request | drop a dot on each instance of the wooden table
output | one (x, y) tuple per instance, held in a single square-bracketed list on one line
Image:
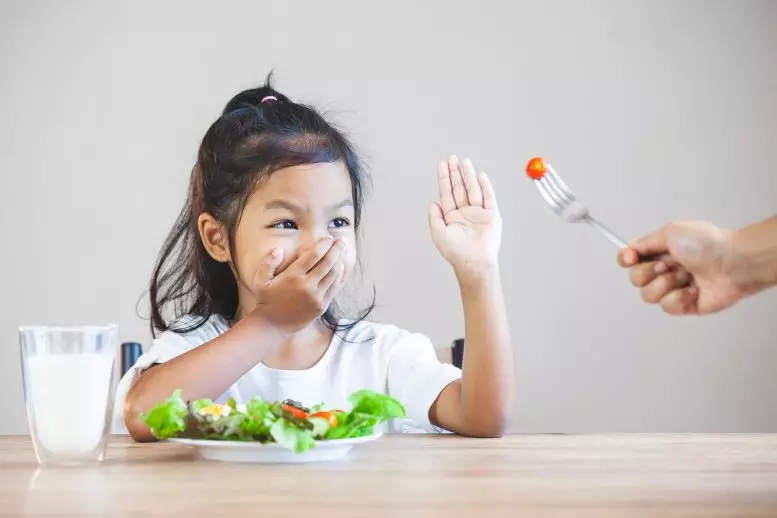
[(408, 476)]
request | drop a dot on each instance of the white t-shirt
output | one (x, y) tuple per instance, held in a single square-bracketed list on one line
[(371, 356)]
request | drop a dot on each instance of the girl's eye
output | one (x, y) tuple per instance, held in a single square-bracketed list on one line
[(285, 225), (339, 223)]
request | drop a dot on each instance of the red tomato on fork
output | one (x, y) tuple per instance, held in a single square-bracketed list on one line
[(535, 169)]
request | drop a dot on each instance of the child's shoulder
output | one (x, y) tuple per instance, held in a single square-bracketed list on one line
[(194, 330), (384, 335)]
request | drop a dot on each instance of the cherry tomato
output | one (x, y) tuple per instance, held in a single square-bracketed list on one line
[(331, 417), (296, 412), (535, 168)]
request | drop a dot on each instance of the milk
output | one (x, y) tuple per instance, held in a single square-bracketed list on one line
[(68, 396)]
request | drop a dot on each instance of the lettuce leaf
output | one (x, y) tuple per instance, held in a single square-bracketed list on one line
[(198, 404), (263, 421), (169, 418), (289, 436), (227, 428), (376, 404), (258, 420), (369, 410), (320, 426)]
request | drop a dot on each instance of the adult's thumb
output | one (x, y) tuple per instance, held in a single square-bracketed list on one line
[(654, 243)]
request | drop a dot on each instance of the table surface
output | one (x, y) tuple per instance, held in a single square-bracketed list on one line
[(415, 475)]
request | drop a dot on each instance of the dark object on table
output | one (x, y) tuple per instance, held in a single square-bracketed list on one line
[(130, 352), (457, 355)]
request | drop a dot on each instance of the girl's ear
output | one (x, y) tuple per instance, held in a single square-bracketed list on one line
[(215, 237)]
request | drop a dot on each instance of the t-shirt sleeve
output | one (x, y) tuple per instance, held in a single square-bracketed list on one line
[(416, 377), (166, 347)]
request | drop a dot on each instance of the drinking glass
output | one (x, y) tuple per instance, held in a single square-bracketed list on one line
[(68, 374)]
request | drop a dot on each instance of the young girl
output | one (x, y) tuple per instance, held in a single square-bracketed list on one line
[(243, 292)]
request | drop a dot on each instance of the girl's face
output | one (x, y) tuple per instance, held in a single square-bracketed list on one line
[(292, 210)]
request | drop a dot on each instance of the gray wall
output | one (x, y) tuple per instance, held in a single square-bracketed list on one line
[(651, 110)]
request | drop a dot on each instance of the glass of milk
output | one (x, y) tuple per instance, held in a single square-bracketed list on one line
[(68, 389)]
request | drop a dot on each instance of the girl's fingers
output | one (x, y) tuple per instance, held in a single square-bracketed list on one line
[(446, 189), (333, 282), (310, 257), (436, 217), (470, 176), (327, 263), (457, 182), (489, 198), (266, 271)]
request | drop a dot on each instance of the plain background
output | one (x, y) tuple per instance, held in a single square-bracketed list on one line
[(651, 110)]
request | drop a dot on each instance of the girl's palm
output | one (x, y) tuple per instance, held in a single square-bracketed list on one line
[(466, 225)]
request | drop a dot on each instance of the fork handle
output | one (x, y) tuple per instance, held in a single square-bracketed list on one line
[(619, 242), (651, 257)]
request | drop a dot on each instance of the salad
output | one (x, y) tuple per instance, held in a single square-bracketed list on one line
[(287, 423)]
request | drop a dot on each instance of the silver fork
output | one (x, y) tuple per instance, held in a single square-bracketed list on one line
[(564, 202)]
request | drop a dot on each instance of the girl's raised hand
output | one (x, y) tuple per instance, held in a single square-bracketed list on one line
[(466, 225), (303, 291)]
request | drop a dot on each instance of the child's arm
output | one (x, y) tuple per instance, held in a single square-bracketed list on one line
[(206, 371), (481, 403), (286, 302), (466, 228)]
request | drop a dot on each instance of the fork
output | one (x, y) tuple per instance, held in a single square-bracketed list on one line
[(564, 202)]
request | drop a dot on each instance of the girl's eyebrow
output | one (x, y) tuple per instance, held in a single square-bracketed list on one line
[(345, 203), (293, 207), (283, 204)]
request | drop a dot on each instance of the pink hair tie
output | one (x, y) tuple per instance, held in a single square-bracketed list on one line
[(267, 98)]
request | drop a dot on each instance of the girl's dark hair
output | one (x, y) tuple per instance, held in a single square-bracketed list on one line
[(260, 131)]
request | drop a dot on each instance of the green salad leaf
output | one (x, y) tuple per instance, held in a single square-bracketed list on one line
[(258, 420), (376, 404), (320, 426), (167, 419), (369, 409), (290, 436), (263, 421), (198, 405)]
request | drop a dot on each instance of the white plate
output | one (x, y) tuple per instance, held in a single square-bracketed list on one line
[(238, 451)]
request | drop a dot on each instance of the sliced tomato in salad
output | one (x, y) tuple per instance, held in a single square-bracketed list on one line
[(286, 423), (329, 416), (295, 412)]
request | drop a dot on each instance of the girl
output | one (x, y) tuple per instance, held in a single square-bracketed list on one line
[(243, 292)]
